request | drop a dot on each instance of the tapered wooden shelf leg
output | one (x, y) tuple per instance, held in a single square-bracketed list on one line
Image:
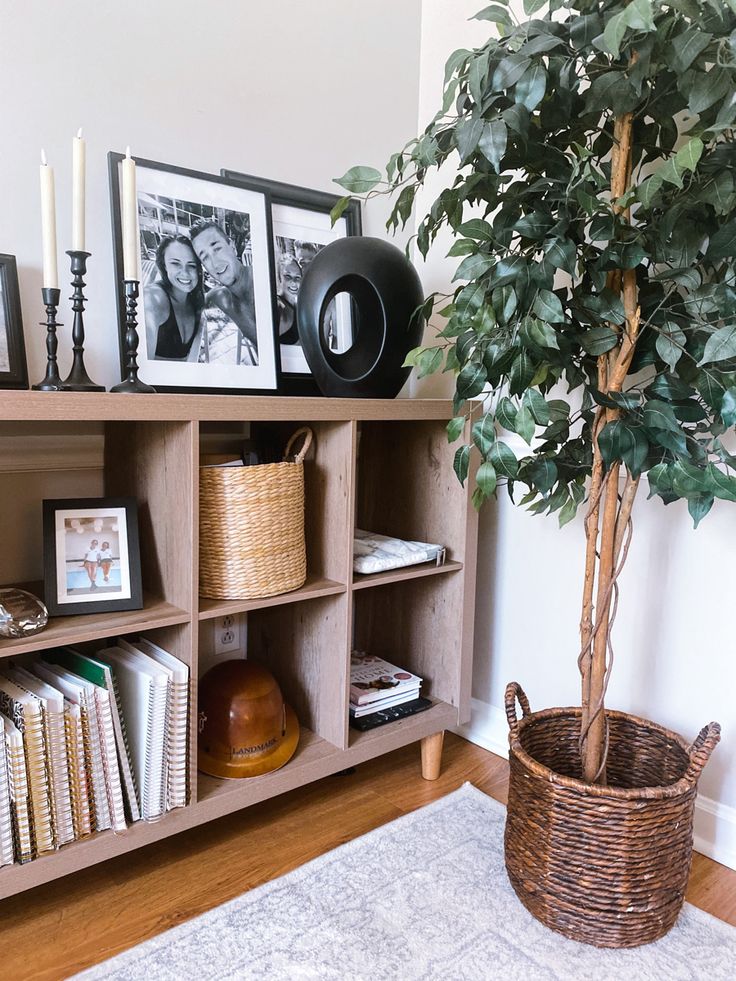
[(432, 755)]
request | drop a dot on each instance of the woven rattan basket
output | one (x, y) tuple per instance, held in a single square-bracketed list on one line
[(251, 527), (605, 865)]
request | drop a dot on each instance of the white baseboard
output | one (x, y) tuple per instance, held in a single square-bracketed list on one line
[(715, 823)]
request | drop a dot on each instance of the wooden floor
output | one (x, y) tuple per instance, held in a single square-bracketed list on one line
[(67, 925)]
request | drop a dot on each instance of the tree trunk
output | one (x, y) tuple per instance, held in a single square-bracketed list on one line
[(611, 521)]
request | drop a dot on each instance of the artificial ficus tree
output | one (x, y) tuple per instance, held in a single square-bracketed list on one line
[(594, 209)]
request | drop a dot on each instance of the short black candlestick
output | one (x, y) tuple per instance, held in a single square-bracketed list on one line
[(131, 384), (51, 382), (79, 380)]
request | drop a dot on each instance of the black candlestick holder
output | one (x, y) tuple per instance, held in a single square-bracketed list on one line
[(51, 382), (78, 379), (131, 384)]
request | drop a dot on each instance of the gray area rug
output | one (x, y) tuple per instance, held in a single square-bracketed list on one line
[(423, 897)]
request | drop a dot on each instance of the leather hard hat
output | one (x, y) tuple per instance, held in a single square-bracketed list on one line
[(245, 727)]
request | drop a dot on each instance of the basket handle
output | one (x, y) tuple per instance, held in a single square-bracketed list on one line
[(306, 432), (705, 742), (514, 691)]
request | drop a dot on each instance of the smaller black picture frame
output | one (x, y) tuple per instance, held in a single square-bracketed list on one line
[(66, 602), (307, 199), (13, 366)]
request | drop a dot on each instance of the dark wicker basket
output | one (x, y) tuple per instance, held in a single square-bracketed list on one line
[(604, 865)]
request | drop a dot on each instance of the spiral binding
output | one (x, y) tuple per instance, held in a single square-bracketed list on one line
[(108, 755), (18, 788), (7, 848)]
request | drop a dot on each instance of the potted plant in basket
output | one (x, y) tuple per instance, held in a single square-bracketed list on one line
[(594, 211)]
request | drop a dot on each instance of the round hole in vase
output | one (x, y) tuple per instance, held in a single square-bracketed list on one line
[(358, 317)]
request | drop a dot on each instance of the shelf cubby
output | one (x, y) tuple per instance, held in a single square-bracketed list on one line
[(372, 579)]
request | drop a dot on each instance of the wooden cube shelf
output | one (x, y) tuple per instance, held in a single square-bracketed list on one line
[(384, 466)]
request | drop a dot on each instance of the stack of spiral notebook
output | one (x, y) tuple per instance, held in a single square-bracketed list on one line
[(90, 742)]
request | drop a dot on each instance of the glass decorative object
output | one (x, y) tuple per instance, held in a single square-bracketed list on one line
[(21, 613)]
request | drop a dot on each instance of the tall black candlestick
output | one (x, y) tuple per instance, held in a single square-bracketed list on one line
[(51, 382), (78, 379), (131, 383)]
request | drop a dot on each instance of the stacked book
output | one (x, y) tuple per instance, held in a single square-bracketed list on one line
[(376, 685), (89, 743)]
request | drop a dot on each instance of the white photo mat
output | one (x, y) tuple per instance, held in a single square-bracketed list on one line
[(60, 537)]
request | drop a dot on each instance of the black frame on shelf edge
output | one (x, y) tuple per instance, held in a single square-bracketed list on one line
[(310, 200), (17, 374), (114, 160)]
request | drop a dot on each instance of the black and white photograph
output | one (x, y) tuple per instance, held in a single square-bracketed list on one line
[(301, 228), (91, 556), (13, 369), (205, 315)]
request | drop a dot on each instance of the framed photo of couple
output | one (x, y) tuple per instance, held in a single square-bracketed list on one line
[(206, 319)]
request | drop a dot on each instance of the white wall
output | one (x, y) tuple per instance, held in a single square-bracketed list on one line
[(297, 92), (673, 641)]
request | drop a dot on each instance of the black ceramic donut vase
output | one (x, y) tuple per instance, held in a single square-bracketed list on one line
[(385, 294)]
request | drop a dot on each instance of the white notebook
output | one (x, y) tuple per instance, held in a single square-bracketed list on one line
[(143, 686), (81, 693), (177, 715), (52, 708)]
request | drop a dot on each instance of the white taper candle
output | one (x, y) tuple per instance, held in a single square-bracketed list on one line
[(48, 225), (79, 168), (130, 219)]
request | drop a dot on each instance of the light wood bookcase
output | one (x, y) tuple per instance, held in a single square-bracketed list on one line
[(381, 465)]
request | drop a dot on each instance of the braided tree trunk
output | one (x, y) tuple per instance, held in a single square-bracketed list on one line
[(609, 513)]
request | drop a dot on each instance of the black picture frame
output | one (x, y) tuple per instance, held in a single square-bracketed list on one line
[(72, 595), (162, 372), (309, 200), (13, 366)]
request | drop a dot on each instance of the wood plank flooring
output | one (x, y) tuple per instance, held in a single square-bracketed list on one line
[(65, 926)]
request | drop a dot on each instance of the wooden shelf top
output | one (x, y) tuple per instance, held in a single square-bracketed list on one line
[(312, 588), (401, 575), (93, 626), (105, 406)]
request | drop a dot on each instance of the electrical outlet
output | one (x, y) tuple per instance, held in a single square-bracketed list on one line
[(227, 634)]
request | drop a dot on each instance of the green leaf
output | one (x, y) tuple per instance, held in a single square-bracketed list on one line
[(463, 246), (470, 381), (537, 406), (486, 478), (547, 307), (477, 229), (707, 89), (429, 361), (509, 71), (359, 180), (670, 387), (721, 484), (496, 14), (521, 374), (504, 460), (670, 343), (613, 33), (599, 340), (539, 333), (648, 189), (533, 225), (454, 62), (467, 134), (525, 424), (543, 474), (699, 506), (532, 6), (722, 245), (461, 463), (687, 480), (337, 211), (568, 511), (454, 428), (531, 87), (474, 266), (506, 413), (721, 346), (484, 434), (617, 441), (660, 415), (687, 157), (686, 47), (562, 255), (492, 142), (728, 407)]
